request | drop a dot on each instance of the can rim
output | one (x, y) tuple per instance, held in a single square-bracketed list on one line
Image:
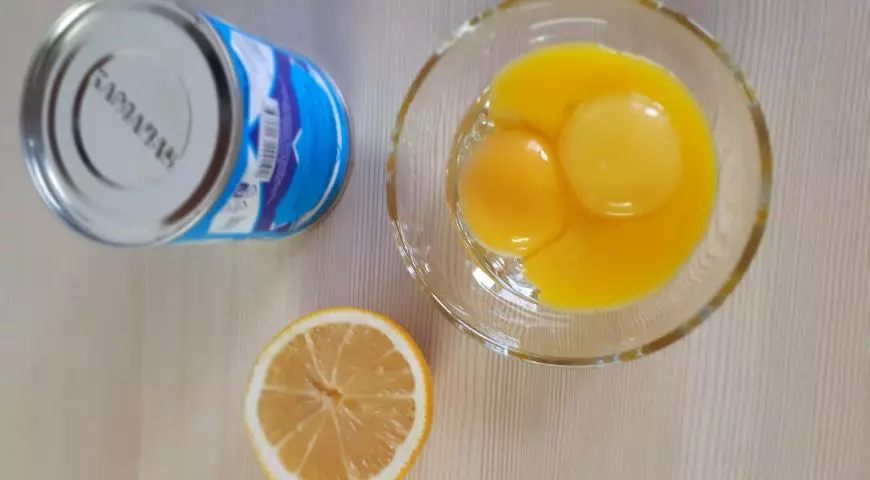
[(38, 81)]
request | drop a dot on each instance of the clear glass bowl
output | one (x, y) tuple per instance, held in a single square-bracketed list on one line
[(506, 320)]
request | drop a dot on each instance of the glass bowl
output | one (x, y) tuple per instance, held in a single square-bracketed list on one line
[(504, 318)]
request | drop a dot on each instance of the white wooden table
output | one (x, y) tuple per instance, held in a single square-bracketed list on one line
[(132, 364)]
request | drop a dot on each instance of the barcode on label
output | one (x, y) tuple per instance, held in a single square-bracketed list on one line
[(270, 131)]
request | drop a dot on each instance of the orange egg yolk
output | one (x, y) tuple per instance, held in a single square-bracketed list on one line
[(511, 194)]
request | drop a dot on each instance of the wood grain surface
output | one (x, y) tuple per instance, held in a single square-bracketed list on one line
[(132, 364)]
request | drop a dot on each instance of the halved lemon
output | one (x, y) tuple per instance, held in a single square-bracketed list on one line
[(339, 394)]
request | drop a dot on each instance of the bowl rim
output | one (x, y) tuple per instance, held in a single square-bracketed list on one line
[(737, 273)]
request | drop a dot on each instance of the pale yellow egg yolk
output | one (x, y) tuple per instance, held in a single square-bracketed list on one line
[(621, 155), (511, 194)]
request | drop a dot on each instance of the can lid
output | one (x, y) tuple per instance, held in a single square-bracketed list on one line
[(128, 119)]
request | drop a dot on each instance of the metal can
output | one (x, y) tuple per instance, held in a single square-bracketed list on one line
[(147, 122)]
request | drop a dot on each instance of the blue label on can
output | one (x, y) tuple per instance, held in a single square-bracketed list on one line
[(293, 157)]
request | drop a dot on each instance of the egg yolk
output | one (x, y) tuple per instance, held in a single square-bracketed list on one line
[(621, 155), (511, 194), (601, 176)]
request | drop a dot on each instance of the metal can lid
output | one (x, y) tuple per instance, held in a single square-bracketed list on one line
[(129, 119)]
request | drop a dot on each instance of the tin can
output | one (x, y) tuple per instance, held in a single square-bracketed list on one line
[(147, 122)]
